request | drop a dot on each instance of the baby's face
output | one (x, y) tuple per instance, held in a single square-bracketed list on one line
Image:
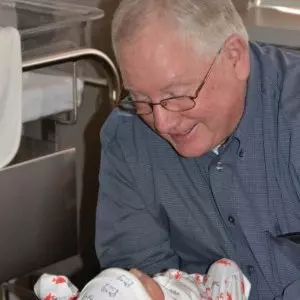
[(151, 286)]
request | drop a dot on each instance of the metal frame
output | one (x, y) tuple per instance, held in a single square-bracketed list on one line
[(111, 72), (52, 204), (112, 81)]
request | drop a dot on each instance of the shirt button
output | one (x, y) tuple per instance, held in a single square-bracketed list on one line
[(250, 269), (219, 166), (231, 219), (241, 153)]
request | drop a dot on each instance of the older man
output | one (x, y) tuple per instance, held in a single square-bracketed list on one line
[(202, 162)]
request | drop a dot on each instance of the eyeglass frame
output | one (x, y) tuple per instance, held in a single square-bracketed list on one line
[(192, 98)]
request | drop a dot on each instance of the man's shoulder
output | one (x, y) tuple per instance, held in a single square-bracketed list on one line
[(121, 127), (116, 120), (127, 135), (280, 71), (281, 57), (277, 65), (128, 132)]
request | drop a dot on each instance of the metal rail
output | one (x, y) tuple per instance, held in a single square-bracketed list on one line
[(113, 79)]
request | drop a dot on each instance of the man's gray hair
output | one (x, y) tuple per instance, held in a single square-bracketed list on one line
[(208, 23)]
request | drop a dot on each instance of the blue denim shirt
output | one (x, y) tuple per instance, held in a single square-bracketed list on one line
[(158, 210)]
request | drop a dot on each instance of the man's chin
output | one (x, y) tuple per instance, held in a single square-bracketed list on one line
[(186, 150)]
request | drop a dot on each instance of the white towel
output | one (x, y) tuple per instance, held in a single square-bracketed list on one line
[(10, 94), (45, 95)]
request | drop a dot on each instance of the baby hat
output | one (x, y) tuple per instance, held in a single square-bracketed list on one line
[(114, 284)]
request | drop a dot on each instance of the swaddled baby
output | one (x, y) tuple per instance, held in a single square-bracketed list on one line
[(224, 281)]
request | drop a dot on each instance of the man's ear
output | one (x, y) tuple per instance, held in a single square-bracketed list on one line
[(237, 52)]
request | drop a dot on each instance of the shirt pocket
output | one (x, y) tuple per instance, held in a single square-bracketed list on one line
[(285, 259)]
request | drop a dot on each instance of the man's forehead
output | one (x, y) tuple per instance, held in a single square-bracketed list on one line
[(160, 46), (177, 63)]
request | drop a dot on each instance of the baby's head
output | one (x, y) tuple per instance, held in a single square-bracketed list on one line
[(121, 285), (151, 286)]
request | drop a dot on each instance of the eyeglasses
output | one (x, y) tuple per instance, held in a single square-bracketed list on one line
[(174, 104)]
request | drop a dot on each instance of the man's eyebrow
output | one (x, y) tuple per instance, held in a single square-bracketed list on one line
[(177, 84), (169, 86)]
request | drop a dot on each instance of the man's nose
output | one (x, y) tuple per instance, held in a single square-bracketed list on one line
[(164, 120)]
